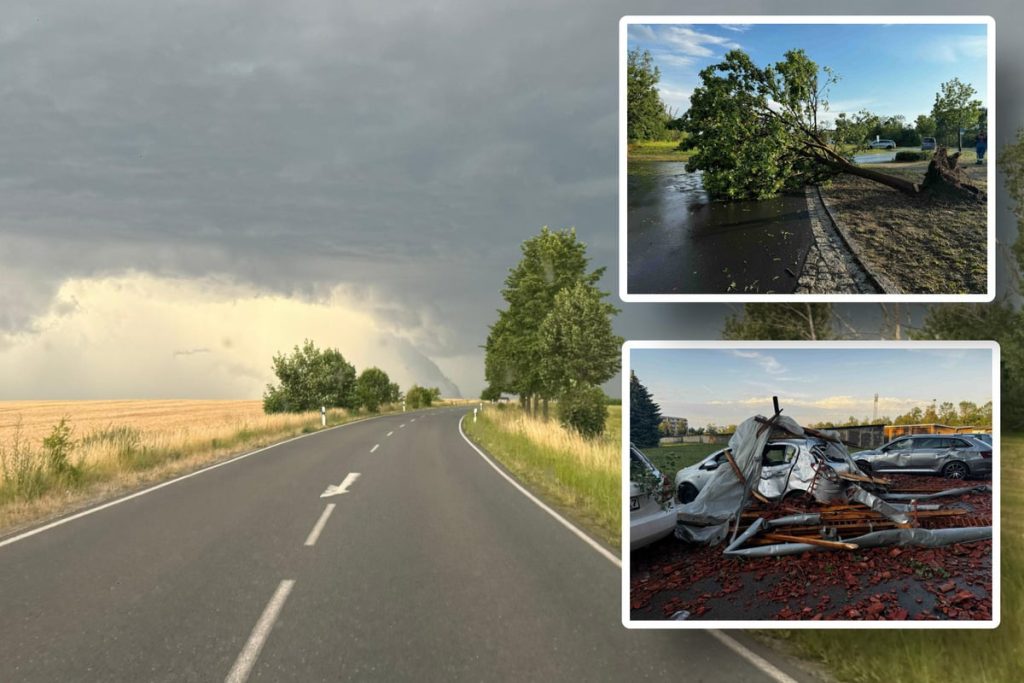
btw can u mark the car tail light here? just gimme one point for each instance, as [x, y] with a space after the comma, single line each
[985, 454]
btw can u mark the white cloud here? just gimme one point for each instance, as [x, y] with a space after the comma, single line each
[768, 363]
[954, 50]
[143, 336]
[689, 41]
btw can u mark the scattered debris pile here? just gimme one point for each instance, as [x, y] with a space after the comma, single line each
[891, 583]
[862, 511]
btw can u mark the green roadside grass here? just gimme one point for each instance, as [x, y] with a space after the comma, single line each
[670, 459]
[656, 150]
[924, 656]
[580, 478]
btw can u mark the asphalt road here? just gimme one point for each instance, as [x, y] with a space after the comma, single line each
[431, 566]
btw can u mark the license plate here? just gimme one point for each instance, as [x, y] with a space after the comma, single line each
[634, 503]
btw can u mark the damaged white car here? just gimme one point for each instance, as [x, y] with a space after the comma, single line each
[652, 512]
[789, 467]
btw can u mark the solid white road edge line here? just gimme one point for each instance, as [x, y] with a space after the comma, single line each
[541, 504]
[757, 660]
[320, 524]
[118, 501]
[375, 447]
[247, 657]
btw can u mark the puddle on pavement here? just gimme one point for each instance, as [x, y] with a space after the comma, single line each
[679, 241]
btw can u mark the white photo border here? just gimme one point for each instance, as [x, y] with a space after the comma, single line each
[990, 291]
[992, 623]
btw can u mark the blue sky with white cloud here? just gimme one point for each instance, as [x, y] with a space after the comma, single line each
[888, 69]
[727, 386]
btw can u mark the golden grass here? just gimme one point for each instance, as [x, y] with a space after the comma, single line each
[602, 454]
[36, 418]
[120, 445]
[579, 476]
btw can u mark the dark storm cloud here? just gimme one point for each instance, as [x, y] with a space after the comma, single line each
[295, 146]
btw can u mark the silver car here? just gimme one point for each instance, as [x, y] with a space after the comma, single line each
[927, 143]
[650, 519]
[955, 456]
[787, 466]
[882, 144]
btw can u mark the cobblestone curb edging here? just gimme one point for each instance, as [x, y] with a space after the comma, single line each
[881, 282]
[830, 267]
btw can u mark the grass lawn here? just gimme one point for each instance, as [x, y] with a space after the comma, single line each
[658, 150]
[671, 459]
[923, 246]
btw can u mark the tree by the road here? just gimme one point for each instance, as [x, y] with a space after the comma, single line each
[309, 378]
[780, 321]
[579, 346]
[583, 409]
[925, 126]
[756, 131]
[644, 415]
[999, 321]
[421, 397]
[373, 389]
[515, 352]
[646, 115]
[955, 108]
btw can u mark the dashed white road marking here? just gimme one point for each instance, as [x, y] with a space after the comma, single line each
[412, 420]
[247, 657]
[391, 432]
[375, 447]
[401, 426]
[320, 523]
[342, 487]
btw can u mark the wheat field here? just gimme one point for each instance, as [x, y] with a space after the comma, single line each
[111, 446]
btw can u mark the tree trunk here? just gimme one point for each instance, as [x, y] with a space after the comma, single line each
[894, 182]
[544, 408]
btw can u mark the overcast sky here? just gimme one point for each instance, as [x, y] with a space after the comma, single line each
[188, 187]
[727, 386]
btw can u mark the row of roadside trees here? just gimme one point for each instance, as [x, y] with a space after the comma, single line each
[554, 339]
[309, 378]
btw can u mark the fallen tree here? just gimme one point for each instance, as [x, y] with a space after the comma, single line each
[755, 132]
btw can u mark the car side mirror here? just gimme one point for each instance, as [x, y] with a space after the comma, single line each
[709, 466]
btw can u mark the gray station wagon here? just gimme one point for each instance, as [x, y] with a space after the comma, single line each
[955, 456]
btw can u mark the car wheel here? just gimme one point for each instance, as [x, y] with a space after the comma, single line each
[864, 466]
[687, 492]
[955, 470]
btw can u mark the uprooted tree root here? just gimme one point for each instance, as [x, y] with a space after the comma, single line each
[945, 179]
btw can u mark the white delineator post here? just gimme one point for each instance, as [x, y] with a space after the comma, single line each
[474, 414]
[323, 416]
[403, 406]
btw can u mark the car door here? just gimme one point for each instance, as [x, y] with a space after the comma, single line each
[929, 453]
[894, 456]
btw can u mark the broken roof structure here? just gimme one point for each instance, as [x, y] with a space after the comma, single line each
[859, 513]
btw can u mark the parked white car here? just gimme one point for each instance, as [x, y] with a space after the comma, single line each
[650, 519]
